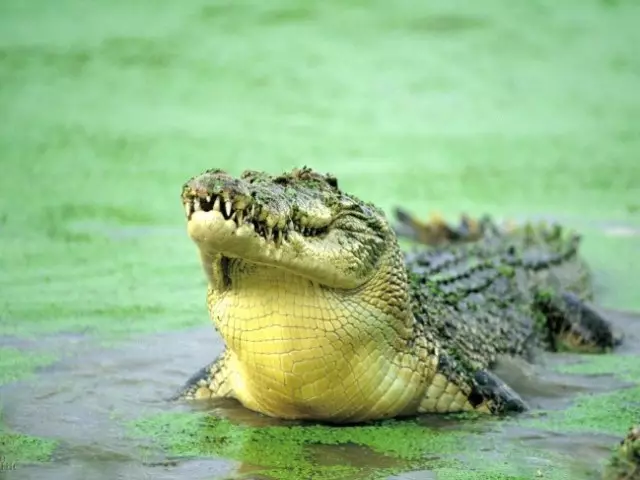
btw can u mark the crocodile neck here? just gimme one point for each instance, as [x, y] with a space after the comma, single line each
[287, 335]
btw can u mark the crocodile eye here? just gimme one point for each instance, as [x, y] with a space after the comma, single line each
[346, 203]
[367, 211]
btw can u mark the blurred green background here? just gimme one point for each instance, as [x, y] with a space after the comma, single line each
[519, 109]
[512, 108]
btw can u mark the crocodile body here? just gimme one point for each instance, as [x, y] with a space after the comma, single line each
[324, 318]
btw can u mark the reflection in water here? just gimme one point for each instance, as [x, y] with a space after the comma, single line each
[92, 397]
[305, 451]
[353, 462]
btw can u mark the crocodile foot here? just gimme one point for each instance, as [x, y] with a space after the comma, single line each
[211, 381]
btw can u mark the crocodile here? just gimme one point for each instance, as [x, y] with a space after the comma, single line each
[325, 318]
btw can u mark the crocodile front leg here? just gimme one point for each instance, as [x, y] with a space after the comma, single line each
[211, 381]
[454, 389]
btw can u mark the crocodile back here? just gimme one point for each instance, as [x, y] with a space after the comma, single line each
[478, 298]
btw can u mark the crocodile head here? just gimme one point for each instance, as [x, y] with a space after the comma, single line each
[299, 222]
[305, 281]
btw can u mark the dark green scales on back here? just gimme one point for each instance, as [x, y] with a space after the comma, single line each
[484, 292]
[503, 293]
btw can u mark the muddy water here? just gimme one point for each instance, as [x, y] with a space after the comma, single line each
[87, 399]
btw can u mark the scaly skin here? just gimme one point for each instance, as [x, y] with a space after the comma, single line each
[325, 319]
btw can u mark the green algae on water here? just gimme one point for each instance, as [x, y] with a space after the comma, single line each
[624, 367]
[326, 452]
[609, 413]
[290, 450]
[16, 364]
[17, 448]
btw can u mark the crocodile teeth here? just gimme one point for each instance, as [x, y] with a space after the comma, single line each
[269, 233]
[291, 225]
[216, 204]
[187, 208]
[196, 206]
[227, 207]
[239, 216]
[208, 198]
